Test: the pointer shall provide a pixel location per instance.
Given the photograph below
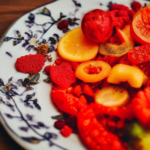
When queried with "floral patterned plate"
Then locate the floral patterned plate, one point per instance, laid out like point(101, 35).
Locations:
point(26, 112)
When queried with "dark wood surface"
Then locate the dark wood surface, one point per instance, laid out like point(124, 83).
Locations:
point(11, 10)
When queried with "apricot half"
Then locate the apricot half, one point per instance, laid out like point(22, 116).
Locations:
point(111, 49)
point(122, 73)
point(83, 72)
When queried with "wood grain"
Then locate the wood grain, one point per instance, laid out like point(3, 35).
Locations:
point(11, 10)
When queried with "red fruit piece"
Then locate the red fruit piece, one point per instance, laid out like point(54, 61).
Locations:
point(47, 69)
point(120, 112)
point(62, 74)
point(122, 7)
point(120, 18)
point(93, 134)
point(88, 90)
point(77, 90)
point(66, 131)
point(32, 63)
point(67, 102)
point(97, 26)
point(139, 54)
point(59, 124)
point(136, 6)
point(141, 107)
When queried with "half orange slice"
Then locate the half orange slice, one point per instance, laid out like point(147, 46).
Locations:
point(74, 46)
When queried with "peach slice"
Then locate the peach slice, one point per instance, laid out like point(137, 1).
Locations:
point(122, 73)
point(121, 49)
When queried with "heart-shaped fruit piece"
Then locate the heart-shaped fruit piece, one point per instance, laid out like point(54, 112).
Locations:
point(62, 74)
point(32, 63)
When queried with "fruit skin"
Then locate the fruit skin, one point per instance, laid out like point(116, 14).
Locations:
point(111, 49)
point(75, 47)
point(62, 74)
point(82, 71)
point(112, 96)
point(97, 26)
point(93, 134)
point(67, 102)
point(121, 73)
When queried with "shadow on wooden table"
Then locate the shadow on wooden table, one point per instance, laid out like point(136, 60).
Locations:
point(9, 142)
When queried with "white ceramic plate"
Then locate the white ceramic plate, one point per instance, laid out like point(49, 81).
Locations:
point(29, 122)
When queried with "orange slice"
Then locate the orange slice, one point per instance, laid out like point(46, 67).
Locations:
point(73, 46)
point(82, 71)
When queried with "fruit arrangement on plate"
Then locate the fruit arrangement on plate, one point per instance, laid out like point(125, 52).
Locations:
point(101, 81)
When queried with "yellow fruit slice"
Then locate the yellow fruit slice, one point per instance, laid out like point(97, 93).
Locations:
point(122, 73)
point(82, 71)
point(112, 96)
point(73, 46)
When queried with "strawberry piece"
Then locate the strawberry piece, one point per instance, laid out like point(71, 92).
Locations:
point(67, 102)
point(32, 63)
point(136, 6)
point(47, 69)
point(139, 54)
point(93, 134)
point(77, 90)
point(141, 107)
point(88, 90)
point(66, 131)
point(62, 74)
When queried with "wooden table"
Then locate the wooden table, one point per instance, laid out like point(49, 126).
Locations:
point(10, 10)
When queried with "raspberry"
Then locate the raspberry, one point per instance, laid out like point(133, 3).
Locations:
point(66, 131)
point(136, 6)
point(59, 124)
